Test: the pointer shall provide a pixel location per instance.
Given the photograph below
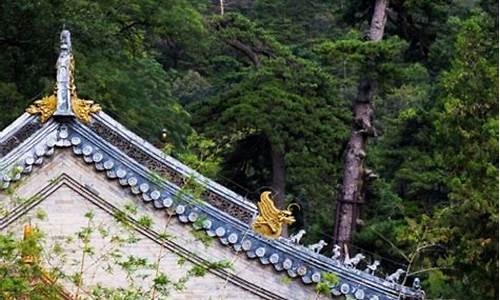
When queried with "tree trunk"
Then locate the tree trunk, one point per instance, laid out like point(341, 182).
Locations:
point(277, 155)
point(221, 2)
point(278, 185)
point(378, 20)
point(352, 193)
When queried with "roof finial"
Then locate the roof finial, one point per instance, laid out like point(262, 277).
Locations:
point(64, 76)
point(64, 102)
point(65, 40)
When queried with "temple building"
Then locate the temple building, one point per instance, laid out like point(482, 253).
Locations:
point(120, 216)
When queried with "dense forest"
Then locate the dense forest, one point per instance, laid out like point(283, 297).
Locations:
point(264, 94)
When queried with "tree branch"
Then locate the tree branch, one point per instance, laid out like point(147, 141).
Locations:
point(246, 50)
point(429, 269)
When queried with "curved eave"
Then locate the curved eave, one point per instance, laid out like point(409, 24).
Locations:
point(295, 260)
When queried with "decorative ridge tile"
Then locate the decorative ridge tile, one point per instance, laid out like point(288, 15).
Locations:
point(297, 261)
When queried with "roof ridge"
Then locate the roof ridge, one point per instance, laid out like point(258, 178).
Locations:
point(101, 140)
point(64, 102)
point(157, 153)
point(282, 254)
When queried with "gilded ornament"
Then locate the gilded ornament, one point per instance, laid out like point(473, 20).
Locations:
point(27, 233)
point(64, 100)
point(83, 108)
point(45, 107)
point(270, 220)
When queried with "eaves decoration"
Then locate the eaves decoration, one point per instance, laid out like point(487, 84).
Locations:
point(284, 256)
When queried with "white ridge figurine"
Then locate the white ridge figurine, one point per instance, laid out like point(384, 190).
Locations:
point(416, 283)
point(316, 248)
point(353, 262)
point(372, 267)
point(295, 238)
point(394, 277)
point(336, 252)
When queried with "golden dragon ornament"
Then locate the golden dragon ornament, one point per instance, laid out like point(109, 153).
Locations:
point(45, 107)
point(270, 220)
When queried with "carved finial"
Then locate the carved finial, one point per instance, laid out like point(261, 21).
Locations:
point(295, 238)
point(353, 262)
point(336, 254)
point(65, 68)
point(416, 283)
point(65, 40)
point(65, 101)
point(371, 268)
point(394, 277)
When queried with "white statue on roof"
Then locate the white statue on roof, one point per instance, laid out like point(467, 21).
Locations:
point(316, 248)
point(295, 238)
point(64, 75)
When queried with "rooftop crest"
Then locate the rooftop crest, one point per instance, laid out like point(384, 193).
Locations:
point(64, 101)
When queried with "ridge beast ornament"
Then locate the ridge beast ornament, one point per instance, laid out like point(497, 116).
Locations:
point(270, 220)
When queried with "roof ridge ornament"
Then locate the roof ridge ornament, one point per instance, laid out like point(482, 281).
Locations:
point(270, 220)
point(65, 74)
point(64, 101)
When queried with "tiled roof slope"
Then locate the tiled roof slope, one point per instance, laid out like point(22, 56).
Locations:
point(158, 179)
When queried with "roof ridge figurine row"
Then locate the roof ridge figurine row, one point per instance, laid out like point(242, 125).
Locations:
point(348, 261)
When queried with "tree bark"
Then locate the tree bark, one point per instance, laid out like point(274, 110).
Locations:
point(279, 181)
point(221, 2)
point(352, 193)
point(379, 18)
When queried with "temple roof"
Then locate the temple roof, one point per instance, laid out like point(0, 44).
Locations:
point(63, 121)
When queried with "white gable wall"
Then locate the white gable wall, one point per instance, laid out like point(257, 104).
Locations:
point(66, 206)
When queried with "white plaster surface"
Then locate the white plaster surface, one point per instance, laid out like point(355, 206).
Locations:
point(66, 207)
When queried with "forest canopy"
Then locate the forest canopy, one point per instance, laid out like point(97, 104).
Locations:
point(264, 90)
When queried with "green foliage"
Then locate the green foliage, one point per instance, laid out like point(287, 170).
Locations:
point(440, 167)
point(328, 280)
point(121, 217)
point(115, 57)
point(284, 104)
point(145, 221)
point(201, 154)
point(154, 64)
point(19, 278)
point(40, 214)
point(16, 277)
point(200, 271)
point(202, 236)
point(286, 280)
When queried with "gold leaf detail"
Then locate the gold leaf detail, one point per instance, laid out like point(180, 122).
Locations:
point(27, 234)
point(83, 108)
point(270, 220)
point(45, 107)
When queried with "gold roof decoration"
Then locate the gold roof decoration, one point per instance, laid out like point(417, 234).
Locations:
point(27, 233)
point(270, 220)
point(64, 101)
point(83, 108)
point(45, 107)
